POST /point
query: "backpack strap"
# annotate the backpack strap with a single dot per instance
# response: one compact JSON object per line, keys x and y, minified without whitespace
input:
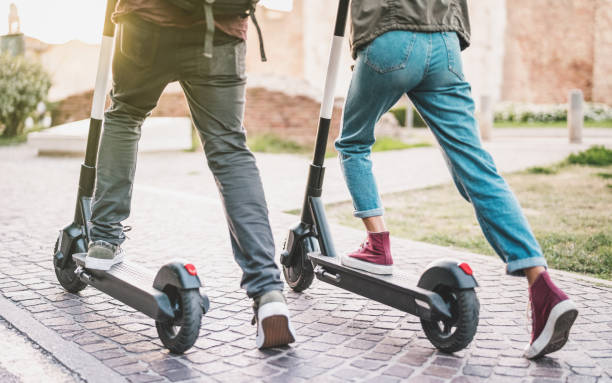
{"x":262,"y":51}
{"x":210,"y":29}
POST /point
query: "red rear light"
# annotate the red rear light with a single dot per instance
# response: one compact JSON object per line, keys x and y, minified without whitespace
{"x":191,"y":269}
{"x":466,"y":268}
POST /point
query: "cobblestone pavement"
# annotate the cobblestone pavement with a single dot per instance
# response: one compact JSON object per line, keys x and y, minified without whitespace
{"x":341,"y":337}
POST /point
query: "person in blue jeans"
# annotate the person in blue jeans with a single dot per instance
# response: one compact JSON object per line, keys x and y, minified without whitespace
{"x":414,"y":48}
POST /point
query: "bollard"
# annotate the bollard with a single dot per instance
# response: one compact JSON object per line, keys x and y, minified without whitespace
{"x":575,"y":116}
{"x":409,"y":115}
{"x":486,"y":117}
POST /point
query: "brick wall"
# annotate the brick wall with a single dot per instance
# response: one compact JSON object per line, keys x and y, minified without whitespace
{"x":290,"y":117}
{"x":550,"y":49}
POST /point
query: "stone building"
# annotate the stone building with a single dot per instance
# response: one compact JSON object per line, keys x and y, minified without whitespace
{"x":522,"y":50}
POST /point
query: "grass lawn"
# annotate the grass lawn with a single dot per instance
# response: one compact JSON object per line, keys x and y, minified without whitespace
{"x":569,"y":207}
{"x":271,"y":143}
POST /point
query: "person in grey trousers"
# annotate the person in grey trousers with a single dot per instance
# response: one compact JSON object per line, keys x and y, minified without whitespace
{"x":158,"y":44}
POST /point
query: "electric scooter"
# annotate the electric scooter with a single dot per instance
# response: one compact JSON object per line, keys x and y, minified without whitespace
{"x":173,"y":296}
{"x":443,"y":298}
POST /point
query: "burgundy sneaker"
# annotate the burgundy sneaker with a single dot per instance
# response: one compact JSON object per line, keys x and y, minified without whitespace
{"x":553,"y":315}
{"x":373,"y":256}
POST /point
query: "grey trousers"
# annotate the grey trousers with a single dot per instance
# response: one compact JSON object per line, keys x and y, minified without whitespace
{"x":148,"y":57}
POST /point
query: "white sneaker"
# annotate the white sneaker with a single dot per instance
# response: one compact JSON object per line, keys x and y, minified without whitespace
{"x":103,"y":255}
{"x":272,"y":317}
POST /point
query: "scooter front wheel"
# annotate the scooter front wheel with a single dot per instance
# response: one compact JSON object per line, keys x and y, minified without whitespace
{"x":180,"y":334}
{"x":456,"y":333}
{"x":300,"y":274}
{"x":66,"y":276}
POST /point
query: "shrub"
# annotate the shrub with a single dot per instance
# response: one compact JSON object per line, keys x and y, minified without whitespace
{"x":23,"y":84}
{"x":595,"y":156}
{"x":522,"y":112}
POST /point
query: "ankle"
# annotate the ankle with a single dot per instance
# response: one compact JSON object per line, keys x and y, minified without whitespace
{"x":533,"y":273}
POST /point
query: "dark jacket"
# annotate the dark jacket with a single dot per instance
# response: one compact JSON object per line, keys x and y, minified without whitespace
{"x":372,"y":18}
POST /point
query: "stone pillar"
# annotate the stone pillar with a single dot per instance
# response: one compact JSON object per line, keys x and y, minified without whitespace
{"x":409,"y":114}
{"x":575,"y":116}
{"x":485,"y":117}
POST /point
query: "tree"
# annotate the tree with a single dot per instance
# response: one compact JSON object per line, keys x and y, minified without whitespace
{"x":23,"y":84}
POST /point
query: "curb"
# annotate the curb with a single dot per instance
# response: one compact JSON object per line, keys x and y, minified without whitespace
{"x":67,"y":353}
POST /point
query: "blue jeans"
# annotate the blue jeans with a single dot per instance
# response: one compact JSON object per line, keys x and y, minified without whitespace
{"x":427,"y":67}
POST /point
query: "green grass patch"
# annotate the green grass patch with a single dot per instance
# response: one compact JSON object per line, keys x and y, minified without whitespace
{"x":605,"y":176}
{"x":594,"y":156}
{"x":271,"y":143}
{"x":384,"y":144}
{"x":6,"y":141}
{"x":568,"y":209}
{"x":543,"y":170}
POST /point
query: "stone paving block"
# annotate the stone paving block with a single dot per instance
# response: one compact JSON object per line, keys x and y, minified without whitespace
{"x":128,"y":338}
{"x":128,"y":369}
{"x":144,"y":378}
{"x":424,"y":379}
{"x":477,"y":370}
{"x":141,"y":347}
{"x":120,"y":361}
{"x":214,"y":368}
{"x":439,"y":371}
{"x":366,"y":364}
{"x":511,"y":371}
{"x":399,"y":371}
{"x":361,"y":344}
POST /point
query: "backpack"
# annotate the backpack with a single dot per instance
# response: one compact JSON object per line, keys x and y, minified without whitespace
{"x":209,"y":8}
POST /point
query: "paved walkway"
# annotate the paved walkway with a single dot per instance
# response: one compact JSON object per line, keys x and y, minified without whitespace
{"x":342,"y":337}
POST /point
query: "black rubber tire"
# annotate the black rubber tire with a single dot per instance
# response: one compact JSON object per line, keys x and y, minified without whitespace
{"x":66,"y":276}
{"x":188,"y":307}
{"x":300,"y":274}
{"x":465,"y":309}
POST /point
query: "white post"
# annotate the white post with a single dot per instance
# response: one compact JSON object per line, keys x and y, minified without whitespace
{"x":486,"y":117}
{"x":575,"y":116}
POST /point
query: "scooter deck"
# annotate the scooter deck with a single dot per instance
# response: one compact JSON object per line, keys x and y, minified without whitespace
{"x":130,"y":284}
{"x":397,"y":290}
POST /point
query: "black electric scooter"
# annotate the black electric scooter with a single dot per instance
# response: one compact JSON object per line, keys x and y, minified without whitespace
{"x":444,"y":296}
{"x":173,"y":296}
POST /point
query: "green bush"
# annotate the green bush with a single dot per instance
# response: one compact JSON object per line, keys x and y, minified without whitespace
{"x":400,"y":116}
{"x":23,"y":84}
{"x":594,"y":156}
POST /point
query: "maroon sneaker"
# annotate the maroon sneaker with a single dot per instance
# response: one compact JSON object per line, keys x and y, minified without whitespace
{"x":553,"y":315}
{"x":373,"y":256}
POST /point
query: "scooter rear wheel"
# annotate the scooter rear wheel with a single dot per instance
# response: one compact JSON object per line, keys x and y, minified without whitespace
{"x":180,"y":334}
{"x":300,"y":274}
{"x":66,"y":276}
{"x":456,"y":333}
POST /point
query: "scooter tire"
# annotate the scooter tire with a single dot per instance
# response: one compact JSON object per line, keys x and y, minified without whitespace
{"x":66,"y":276}
{"x":189,"y":312}
{"x":300,"y":274}
{"x":464,"y":307}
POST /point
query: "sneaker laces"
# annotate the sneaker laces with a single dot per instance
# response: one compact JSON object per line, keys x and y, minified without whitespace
{"x":126,"y":229}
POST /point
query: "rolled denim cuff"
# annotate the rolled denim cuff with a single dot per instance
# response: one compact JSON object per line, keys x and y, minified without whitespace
{"x":369,"y":213}
{"x":515,"y":268}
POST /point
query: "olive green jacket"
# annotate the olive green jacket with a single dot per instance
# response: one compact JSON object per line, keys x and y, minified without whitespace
{"x":372,"y":18}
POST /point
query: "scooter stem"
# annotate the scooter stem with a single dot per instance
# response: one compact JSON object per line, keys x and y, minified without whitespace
{"x":87,"y":177}
{"x":315,"y":175}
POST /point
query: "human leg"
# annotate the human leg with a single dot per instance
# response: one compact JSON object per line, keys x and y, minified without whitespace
{"x":384,"y":70}
{"x":138,"y":81}
{"x":444,"y":100}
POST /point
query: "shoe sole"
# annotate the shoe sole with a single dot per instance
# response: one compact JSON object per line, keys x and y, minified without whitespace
{"x":103,"y":264}
{"x":274,"y":329}
{"x":366,"y":266}
{"x":556,"y":331}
